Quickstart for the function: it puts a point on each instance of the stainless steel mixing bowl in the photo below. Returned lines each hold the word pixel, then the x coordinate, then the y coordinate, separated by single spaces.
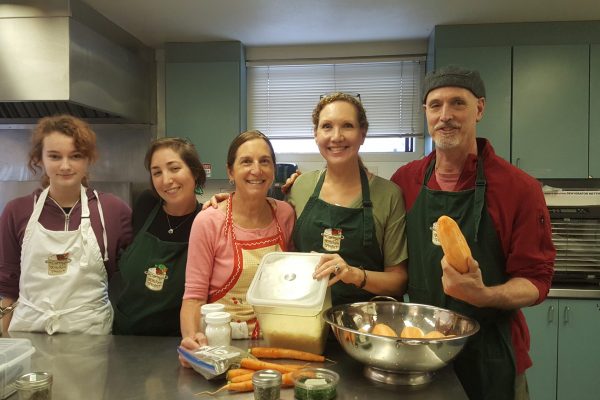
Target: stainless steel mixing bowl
pixel 397 360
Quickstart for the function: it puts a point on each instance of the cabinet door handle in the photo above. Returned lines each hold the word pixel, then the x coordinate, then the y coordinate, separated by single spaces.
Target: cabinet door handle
pixel 518 162
pixel 566 314
pixel 550 314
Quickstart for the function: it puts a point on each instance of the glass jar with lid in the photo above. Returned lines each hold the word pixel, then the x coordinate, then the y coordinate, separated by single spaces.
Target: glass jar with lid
pixel 218 330
pixel 205 309
pixel 267 384
pixel 34 386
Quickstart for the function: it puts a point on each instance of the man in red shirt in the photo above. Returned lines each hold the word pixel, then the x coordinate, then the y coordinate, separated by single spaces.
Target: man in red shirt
pixel 503 215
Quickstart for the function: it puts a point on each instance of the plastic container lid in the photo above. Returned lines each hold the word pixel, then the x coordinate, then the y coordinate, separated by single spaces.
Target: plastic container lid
pixel 211 307
pixel 13 348
pixel 284 279
pixel 219 317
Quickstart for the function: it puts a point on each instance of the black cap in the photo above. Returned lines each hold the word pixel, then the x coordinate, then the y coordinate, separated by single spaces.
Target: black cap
pixel 453 75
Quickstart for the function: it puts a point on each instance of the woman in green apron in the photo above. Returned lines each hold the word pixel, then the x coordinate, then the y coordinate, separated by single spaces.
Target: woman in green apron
pixel 152 269
pixel 355 218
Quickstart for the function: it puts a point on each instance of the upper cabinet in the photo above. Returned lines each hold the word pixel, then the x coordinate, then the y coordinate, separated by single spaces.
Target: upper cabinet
pixel 543 91
pixel 594 153
pixel 550 110
pixel 494 65
pixel 206 97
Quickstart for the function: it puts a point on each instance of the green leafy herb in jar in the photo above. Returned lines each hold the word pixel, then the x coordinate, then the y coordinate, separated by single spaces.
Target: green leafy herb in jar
pixel 314 389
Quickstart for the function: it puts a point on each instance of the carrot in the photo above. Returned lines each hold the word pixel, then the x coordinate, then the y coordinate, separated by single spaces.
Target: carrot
pixel 242 378
pixel 274 352
pixel 232 373
pixel 256 365
pixel 245 386
pixel 287 380
pixel 294 366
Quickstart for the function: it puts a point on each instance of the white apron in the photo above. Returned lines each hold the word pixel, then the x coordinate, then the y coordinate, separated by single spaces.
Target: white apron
pixel 63 285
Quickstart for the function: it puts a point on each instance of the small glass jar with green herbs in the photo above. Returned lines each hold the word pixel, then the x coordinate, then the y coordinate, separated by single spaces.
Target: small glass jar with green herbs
pixel 315 384
pixel 34 386
pixel 267 384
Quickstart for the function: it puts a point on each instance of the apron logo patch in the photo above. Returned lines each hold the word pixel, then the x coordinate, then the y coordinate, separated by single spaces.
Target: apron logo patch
pixel 434 235
pixel 332 239
pixel 155 277
pixel 58 264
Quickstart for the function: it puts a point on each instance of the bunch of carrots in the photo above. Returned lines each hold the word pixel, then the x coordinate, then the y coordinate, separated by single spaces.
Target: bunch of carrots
pixel 240 379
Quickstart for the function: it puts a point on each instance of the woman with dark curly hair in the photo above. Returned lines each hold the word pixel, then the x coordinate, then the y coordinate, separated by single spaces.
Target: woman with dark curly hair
pixel 152 269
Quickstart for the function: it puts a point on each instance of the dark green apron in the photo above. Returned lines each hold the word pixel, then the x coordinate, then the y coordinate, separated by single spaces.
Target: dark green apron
pixel 355 230
pixel 140 310
pixel 486 366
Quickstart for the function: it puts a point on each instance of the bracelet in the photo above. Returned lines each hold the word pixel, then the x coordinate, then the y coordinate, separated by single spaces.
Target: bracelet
pixel 364 281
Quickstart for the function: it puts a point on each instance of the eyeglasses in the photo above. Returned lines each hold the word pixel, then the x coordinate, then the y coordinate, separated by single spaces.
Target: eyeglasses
pixel 355 95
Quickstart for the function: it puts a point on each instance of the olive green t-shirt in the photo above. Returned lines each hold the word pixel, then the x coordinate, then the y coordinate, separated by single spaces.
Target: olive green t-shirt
pixel 388 211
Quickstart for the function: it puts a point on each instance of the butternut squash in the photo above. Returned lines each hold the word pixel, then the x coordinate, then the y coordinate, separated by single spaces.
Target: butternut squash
pixel 411 332
pixel 434 335
pixel 453 243
pixel 383 330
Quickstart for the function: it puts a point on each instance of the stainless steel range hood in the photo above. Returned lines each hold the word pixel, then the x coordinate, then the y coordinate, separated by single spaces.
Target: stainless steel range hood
pixel 61 56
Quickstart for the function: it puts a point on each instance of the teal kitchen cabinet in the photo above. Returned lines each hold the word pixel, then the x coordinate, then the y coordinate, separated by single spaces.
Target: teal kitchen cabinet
pixel 205 97
pixel 564 349
pixel 594 153
pixel 550 110
pixel 494 65
pixel 543 329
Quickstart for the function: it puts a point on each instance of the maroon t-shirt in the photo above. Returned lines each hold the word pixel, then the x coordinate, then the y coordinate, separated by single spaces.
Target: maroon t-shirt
pixel 16 214
pixel 518 210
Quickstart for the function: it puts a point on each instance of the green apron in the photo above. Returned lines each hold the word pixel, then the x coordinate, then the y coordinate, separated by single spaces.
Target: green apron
pixel 486 366
pixel 149 304
pixel 349 232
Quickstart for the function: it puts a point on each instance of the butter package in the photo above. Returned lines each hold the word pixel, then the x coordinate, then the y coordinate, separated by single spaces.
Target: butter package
pixel 213 361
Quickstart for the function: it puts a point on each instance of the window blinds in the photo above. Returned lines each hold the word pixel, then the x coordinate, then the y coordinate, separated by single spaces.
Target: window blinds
pixel 281 97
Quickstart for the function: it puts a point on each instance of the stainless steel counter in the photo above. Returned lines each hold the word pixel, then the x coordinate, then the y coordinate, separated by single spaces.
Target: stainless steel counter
pixel 134 367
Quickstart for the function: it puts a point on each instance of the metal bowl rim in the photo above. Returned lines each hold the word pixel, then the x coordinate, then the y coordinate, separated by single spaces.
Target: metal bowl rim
pixel 398 339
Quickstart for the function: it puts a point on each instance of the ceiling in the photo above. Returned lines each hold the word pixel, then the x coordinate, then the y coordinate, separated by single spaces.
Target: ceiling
pixel 296 22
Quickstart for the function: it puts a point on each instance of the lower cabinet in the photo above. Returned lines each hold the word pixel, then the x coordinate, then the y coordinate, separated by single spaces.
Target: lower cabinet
pixel 565 349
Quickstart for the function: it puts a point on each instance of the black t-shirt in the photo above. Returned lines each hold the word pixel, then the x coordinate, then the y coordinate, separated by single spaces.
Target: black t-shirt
pixel 160 226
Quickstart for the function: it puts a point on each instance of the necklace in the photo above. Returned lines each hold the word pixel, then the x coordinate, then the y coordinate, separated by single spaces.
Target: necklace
pixel 171 229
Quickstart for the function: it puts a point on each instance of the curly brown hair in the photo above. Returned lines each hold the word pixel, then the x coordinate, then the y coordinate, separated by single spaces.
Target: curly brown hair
pixel 84 140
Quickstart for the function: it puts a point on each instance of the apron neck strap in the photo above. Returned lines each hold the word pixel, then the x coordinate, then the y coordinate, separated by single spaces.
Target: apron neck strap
pixel 101 213
pixel 367 209
pixel 229 217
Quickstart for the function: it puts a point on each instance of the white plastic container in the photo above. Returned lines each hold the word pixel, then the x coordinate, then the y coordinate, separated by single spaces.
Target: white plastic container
pixel 288 302
pixel 15 360
pixel 208 308
pixel 218 330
